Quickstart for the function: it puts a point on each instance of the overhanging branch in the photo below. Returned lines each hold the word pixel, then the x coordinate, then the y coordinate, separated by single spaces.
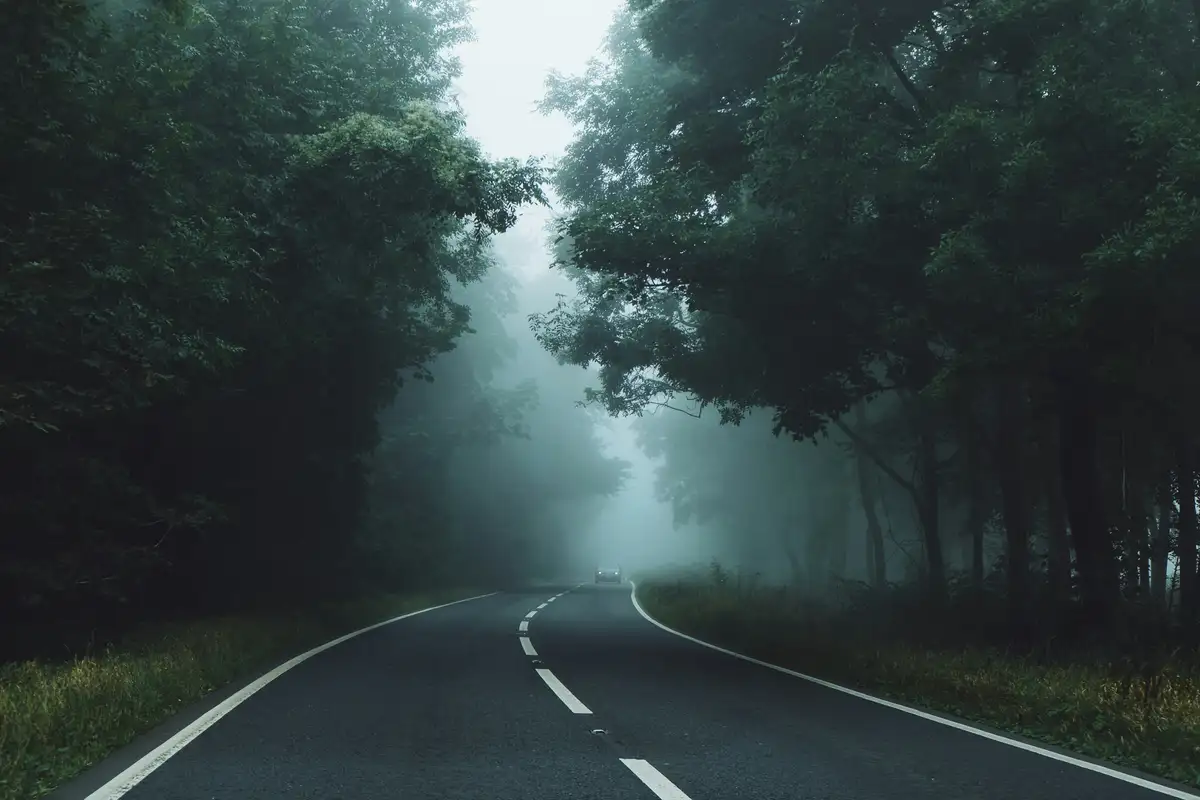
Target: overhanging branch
pixel 660 404
pixel 872 453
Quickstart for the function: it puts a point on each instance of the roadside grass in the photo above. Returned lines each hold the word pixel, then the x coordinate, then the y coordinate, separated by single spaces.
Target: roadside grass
pixel 1149 723
pixel 56 720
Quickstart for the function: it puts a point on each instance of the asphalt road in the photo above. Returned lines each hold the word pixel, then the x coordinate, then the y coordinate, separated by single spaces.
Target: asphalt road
pixel 589 701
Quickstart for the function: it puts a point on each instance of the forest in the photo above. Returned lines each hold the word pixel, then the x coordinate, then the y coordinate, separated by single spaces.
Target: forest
pixel 895 293
pixel 253 319
pixel 256 343
pixel 947 242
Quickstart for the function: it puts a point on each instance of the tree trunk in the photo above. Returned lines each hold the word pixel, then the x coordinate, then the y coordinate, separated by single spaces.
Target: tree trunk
pixel 1079 462
pixel 869 559
pixel 1147 544
pixel 1012 434
pixel 977 512
pixel 1135 545
pixel 1160 548
pixel 789 550
pixel 1058 561
pixel 839 522
pixel 876 559
pixel 1187 533
pixel 928 498
pixel 924 494
pixel 927 492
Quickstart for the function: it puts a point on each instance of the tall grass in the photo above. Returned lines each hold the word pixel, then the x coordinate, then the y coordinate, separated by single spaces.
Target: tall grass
pixel 1144 719
pixel 57 719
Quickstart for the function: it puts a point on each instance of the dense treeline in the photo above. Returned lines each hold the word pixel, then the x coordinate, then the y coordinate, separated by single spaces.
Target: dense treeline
pixel 495 456
pixel 959 237
pixel 767 508
pixel 230 231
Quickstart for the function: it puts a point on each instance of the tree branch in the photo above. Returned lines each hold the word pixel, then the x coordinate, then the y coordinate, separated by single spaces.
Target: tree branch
pixel 870 452
pixel 905 81
pixel 670 407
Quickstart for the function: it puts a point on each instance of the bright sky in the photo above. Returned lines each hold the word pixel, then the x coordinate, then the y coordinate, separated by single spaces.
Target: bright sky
pixel 517 42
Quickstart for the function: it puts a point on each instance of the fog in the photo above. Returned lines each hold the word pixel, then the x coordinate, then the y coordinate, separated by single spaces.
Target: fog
pixel 863 339
pixel 516 46
pixel 692 490
pixel 366 297
pixel 850 505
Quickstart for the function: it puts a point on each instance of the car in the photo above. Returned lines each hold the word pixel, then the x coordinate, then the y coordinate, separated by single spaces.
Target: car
pixel 609 575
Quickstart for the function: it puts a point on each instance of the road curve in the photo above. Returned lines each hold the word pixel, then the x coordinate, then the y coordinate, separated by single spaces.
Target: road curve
pixel 719 727
pixel 568 692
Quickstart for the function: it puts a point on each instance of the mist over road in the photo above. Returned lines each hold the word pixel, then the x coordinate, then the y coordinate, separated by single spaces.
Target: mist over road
pixel 568 692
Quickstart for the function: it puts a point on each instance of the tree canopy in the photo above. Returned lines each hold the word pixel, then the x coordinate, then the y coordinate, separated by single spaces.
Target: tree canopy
pixel 232 231
pixel 983 210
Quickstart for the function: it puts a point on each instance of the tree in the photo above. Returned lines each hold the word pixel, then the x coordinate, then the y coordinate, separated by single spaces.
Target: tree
pixel 478 479
pixel 236 236
pixel 975 209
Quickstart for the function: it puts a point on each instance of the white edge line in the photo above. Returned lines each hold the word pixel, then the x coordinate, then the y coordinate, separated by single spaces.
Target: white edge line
pixel 657 782
pixel 524 626
pixel 563 693
pixel 527 646
pixel 136 772
pixel 1168 791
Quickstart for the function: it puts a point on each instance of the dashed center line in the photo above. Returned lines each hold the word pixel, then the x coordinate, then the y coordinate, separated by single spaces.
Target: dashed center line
pixel 654 780
pixel 569 700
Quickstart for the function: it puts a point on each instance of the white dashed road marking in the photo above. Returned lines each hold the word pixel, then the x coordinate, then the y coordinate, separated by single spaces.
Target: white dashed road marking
pixel 655 780
pixel 563 693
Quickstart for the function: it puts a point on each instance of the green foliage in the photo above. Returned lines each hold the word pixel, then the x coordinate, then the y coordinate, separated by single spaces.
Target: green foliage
pixel 229 230
pixel 503 467
pixel 985 211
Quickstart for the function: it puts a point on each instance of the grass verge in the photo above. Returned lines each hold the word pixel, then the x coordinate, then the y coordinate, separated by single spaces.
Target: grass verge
pixel 56 720
pixel 1098 710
